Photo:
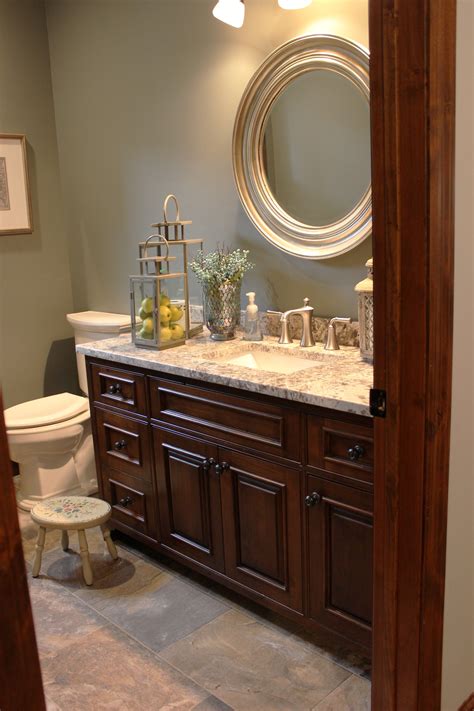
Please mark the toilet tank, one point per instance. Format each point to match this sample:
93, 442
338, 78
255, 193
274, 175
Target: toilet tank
95, 326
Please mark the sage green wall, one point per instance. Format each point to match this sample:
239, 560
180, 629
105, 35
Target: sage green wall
145, 95
35, 286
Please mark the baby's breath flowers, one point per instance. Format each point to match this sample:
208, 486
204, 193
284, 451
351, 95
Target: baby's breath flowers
221, 266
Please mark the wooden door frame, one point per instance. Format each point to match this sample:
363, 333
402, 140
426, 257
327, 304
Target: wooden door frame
412, 47
20, 674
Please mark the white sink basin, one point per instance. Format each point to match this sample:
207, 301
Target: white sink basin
272, 362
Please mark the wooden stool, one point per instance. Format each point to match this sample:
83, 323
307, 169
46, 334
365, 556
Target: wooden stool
72, 513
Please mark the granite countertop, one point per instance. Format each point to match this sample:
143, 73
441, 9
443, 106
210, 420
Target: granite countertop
340, 380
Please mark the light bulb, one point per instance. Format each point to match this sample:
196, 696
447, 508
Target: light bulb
294, 4
232, 12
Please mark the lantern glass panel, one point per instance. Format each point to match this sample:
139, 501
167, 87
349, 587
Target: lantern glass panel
144, 326
196, 308
158, 310
172, 311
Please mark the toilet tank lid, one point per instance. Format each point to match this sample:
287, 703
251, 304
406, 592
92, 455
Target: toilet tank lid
100, 321
45, 411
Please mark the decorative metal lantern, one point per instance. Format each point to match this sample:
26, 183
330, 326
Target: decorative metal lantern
365, 289
166, 308
183, 251
158, 300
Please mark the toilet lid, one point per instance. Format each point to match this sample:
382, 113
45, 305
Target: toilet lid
100, 321
45, 411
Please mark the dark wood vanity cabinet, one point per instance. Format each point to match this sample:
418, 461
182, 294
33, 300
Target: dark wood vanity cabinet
272, 498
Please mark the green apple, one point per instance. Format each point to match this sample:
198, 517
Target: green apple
176, 313
145, 334
144, 314
165, 315
147, 325
147, 306
165, 333
164, 299
177, 331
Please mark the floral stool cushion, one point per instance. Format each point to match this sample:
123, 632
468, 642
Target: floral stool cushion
71, 512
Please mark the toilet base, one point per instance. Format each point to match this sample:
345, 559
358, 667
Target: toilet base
26, 503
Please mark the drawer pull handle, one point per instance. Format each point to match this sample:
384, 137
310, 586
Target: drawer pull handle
313, 499
126, 501
115, 389
224, 466
356, 452
208, 463
121, 444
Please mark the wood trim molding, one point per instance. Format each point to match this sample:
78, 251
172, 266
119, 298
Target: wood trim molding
412, 107
20, 675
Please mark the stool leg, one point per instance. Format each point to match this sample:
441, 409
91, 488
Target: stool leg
65, 540
109, 542
86, 564
39, 551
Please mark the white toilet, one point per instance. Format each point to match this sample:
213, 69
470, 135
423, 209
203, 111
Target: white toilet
51, 438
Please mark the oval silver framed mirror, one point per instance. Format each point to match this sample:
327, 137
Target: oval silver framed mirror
301, 147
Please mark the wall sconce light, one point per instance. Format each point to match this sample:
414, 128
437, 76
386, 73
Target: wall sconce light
294, 4
232, 12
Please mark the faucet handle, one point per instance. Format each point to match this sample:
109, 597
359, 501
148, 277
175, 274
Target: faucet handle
285, 337
331, 343
306, 301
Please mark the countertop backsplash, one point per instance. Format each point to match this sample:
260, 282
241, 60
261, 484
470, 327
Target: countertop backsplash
347, 334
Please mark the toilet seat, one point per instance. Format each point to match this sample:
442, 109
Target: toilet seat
47, 413
50, 438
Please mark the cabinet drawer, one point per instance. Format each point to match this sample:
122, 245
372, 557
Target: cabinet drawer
118, 388
234, 420
132, 502
341, 447
123, 444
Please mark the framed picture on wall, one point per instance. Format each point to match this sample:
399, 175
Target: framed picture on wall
15, 201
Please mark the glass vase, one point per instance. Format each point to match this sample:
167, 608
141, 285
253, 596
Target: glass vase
222, 309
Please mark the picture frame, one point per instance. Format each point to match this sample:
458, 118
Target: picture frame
15, 198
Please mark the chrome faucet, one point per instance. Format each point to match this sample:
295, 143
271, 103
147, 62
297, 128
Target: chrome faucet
306, 313
331, 343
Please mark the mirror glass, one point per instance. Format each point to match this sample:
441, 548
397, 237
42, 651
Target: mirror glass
316, 147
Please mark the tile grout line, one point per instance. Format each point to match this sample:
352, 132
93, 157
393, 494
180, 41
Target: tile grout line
332, 692
262, 620
213, 595
110, 624
231, 606
126, 633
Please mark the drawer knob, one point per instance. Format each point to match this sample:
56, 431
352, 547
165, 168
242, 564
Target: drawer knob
208, 463
313, 499
115, 389
119, 445
126, 501
222, 467
356, 452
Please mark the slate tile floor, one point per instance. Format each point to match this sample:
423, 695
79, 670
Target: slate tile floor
150, 635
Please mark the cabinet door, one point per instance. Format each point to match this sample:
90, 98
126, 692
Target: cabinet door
340, 526
261, 507
189, 497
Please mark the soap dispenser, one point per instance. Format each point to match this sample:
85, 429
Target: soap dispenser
252, 331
